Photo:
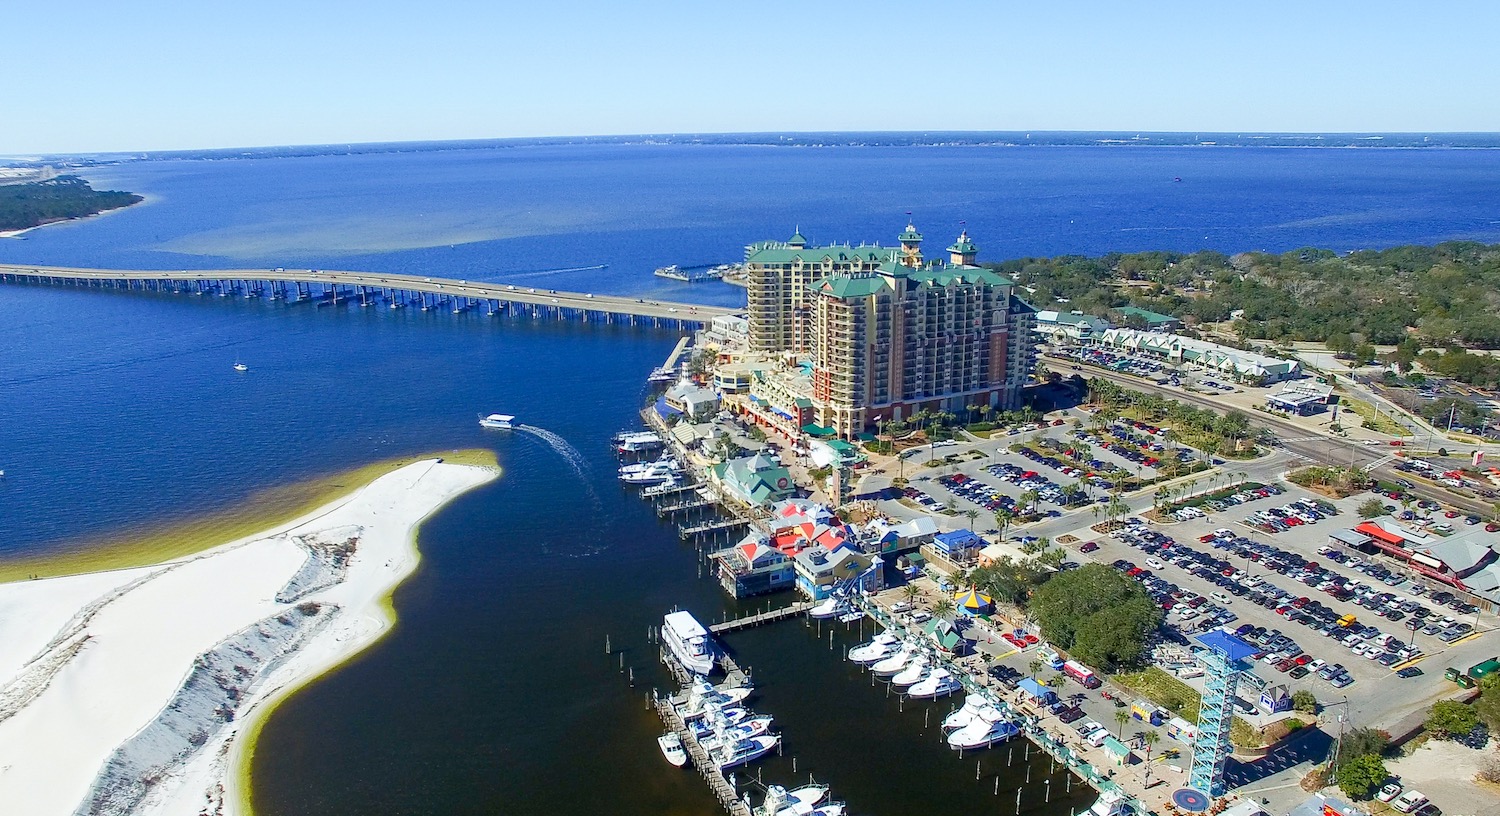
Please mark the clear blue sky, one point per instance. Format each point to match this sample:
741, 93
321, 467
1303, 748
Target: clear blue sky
156, 75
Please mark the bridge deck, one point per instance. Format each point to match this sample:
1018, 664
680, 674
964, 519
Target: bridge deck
449, 287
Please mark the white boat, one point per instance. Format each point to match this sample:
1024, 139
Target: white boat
982, 733
241, 367
851, 616
745, 751
938, 684
893, 664
716, 717
1110, 803
689, 642
913, 673
642, 467
799, 802
830, 809
658, 472
703, 694
878, 649
637, 442
497, 421
825, 609
671, 748
661, 374
972, 709
730, 734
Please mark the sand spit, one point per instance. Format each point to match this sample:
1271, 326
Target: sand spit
125, 692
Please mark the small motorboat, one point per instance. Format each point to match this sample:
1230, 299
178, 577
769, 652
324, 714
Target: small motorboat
671, 748
241, 367
938, 684
501, 421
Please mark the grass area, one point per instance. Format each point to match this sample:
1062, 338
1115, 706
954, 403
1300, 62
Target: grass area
1373, 421
1180, 699
261, 511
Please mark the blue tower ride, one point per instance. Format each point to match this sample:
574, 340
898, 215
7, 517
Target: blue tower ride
1223, 657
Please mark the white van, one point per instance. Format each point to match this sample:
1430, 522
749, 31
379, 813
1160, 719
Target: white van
1097, 738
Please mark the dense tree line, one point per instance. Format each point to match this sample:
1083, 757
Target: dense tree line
1447, 294
1097, 615
33, 204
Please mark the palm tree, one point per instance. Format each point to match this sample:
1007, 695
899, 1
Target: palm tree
1035, 666
1028, 501
910, 592
971, 514
1122, 716
1002, 518
943, 608
1148, 741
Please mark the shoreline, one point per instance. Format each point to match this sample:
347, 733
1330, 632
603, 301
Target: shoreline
120, 686
20, 233
179, 538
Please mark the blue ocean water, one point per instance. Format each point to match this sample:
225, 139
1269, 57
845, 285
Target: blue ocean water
493, 694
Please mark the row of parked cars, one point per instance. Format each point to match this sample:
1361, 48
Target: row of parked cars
1187, 611
1287, 516
1226, 502
1031, 480
1139, 366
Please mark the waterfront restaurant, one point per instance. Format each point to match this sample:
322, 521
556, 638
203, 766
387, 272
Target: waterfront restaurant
753, 567
755, 480
819, 571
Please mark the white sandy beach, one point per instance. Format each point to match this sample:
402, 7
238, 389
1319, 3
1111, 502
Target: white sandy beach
126, 669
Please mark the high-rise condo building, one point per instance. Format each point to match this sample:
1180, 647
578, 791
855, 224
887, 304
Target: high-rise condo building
890, 334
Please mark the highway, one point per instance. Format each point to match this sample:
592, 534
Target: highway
443, 287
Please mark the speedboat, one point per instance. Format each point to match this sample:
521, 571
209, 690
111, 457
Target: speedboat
671, 748
703, 696
502, 421
881, 647
938, 684
915, 672
745, 751
730, 734
241, 367
826, 609
982, 733
689, 642
894, 663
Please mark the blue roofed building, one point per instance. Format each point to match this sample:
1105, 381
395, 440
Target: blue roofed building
959, 545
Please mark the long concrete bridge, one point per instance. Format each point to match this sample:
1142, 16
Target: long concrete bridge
379, 289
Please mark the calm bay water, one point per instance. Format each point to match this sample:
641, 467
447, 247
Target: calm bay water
493, 694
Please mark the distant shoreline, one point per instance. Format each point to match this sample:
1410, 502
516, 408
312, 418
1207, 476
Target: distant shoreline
21, 231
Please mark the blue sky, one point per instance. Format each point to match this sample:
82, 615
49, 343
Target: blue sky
156, 75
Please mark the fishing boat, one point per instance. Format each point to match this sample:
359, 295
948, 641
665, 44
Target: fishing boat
974, 707
799, 802
895, 663
745, 751
689, 641
913, 673
982, 733
671, 748
851, 615
826, 608
1110, 803
716, 717
728, 735
703, 694
876, 650
503, 421
938, 684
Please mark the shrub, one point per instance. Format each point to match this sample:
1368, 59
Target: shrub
1449, 719
1360, 776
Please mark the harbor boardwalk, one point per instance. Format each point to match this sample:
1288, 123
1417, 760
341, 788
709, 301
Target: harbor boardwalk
759, 618
702, 762
374, 288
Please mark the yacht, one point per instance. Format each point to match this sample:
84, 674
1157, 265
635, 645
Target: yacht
703, 694
799, 802
913, 673
938, 684
878, 649
893, 664
1110, 803
671, 748
730, 734
974, 707
745, 751
689, 642
241, 367
497, 421
825, 609
715, 717
982, 733
654, 473
661, 374
637, 442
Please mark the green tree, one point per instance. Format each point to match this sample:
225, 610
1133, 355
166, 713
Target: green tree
1097, 614
1121, 717
1487, 707
944, 607
1035, 666
1362, 775
1370, 508
1305, 701
1361, 742
1449, 718
1148, 741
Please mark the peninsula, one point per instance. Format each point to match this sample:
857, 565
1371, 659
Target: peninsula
36, 203
128, 691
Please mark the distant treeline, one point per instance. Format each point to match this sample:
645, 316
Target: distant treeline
30, 205
1432, 296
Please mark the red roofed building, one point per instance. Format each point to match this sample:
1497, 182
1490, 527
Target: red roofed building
754, 567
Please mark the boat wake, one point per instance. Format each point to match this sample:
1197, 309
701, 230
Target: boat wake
569, 454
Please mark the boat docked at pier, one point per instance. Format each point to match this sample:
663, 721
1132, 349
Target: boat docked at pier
1110, 803
689, 642
893, 664
914, 673
657, 472
661, 374
940, 683
747, 728
974, 708
500, 421
637, 442
702, 696
982, 733
799, 802
883, 646
671, 748
745, 751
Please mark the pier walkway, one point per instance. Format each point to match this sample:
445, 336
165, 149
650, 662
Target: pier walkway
702, 762
759, 618
375, 288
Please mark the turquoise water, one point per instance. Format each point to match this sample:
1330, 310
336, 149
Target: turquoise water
493, 694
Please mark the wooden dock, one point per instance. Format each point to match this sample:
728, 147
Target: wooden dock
759, 618
668, 489
713, 527
683, 507
702, 762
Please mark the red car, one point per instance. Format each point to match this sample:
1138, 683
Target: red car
1204, 539
1285, 665
1304, 659
1132, 572
1089, 546
1451, 514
